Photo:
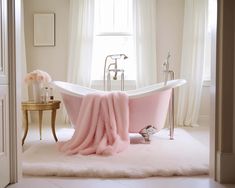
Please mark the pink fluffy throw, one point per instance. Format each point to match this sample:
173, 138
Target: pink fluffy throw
101, 127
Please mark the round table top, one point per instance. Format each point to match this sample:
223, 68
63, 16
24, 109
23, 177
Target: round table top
31, 105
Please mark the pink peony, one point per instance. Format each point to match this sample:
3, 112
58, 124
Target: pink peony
37, 75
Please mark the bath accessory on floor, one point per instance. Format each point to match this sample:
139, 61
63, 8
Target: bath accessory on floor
169, 75
147, 132
113, 67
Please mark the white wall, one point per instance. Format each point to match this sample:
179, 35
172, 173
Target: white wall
50, 59
170, 15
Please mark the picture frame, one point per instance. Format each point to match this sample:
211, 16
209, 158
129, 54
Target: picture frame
44, 29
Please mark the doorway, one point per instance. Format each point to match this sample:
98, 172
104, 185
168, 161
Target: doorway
214, 131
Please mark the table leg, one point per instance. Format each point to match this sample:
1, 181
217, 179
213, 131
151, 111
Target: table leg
40, 123
26, 123
53, 115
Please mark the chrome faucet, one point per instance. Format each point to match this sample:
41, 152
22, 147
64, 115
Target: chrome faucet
166, 69
113, 67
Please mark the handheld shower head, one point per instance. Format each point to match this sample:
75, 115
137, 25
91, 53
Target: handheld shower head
125, 57
119, 56
114, 57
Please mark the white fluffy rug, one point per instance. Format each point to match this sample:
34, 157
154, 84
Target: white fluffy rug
162, 157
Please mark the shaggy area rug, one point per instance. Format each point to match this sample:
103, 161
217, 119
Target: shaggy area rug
162, 157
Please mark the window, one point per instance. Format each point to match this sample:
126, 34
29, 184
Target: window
113, 35
211, 25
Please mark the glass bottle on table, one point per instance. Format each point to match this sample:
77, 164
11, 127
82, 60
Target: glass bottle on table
46, 95
51, 96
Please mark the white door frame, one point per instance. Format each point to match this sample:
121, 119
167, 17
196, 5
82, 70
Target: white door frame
14, 90
224, 132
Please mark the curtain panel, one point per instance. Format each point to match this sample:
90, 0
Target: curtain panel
192, 61
145, 41
81, 33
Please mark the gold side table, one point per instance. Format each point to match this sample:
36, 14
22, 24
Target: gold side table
40, 107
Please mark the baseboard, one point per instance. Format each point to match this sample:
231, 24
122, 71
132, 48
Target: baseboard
204, 120
225, 172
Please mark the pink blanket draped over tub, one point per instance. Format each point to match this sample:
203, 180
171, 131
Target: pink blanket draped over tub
102, 125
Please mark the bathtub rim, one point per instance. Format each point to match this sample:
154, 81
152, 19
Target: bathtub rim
140, 92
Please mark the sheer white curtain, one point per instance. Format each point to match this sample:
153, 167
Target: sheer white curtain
192, 61
81, 29
145, 41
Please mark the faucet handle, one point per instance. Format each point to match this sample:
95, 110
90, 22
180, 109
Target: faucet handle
166, 64
168, 55
166, 67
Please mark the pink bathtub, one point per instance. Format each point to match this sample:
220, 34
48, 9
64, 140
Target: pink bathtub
147, 105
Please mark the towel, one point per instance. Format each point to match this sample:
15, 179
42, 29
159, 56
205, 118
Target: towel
101, 127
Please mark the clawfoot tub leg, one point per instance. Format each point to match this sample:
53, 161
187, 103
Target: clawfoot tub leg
172, 116
172, 108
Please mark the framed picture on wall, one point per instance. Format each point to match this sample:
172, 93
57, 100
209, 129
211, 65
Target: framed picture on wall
44, 29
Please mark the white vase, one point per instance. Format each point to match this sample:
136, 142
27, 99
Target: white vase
37, 86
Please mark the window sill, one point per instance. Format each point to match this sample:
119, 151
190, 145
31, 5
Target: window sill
114, 34
206, 83
115, 84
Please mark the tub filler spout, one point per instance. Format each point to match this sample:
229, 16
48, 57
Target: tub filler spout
113, 68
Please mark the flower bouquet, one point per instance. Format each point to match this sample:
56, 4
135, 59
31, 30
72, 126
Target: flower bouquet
37, 78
